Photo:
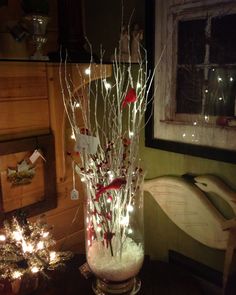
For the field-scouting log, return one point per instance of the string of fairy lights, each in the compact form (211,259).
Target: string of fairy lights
(26,247)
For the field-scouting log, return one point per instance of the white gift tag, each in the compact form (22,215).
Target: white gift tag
(87,143)
(74,194)
(36,154)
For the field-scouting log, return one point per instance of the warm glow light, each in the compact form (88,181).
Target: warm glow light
(27,247)
(231,79)
(195,123)
(131,133)
(34,269)
(77,105)
(40,245)
(2,238)
(184,134)
(82,179)
(45,234)
(130,208)
(16,274)
(87,71)
(139,85)
(124,220)
(72,136)
(220,98)
(130,231)
(106,84)
(219,79)
(52,255)
(206,90)
(17,235)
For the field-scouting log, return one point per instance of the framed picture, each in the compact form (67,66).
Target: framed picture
(191,48)
(28,177)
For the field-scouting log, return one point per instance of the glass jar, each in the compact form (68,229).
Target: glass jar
(114,237)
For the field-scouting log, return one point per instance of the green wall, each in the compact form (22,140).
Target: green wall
(161,234)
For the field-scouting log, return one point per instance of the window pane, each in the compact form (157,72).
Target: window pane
(189,90)
(191,41)
(221,92)
(223,41)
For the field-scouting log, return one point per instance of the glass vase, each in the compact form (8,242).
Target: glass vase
(114,238)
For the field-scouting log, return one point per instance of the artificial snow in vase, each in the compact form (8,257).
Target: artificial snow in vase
(114,235)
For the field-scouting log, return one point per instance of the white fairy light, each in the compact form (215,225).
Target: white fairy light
(34,269)
(130,231)
(52,256)
(2,238)
(16,274)
(45,234)
(106,84)
(219,79)
(40,245)
(193,135)
(83,179)
(194,123)
(131,133)
(184,134)
(220,98)
(72,136)
(130,208)
(87,71)
(139,85)
(124,220)
(77,105)
(17,235)
(206,90)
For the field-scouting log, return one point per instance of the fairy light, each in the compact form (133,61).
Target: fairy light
(130,208)
(206,90)
(83,179)
(219,79)
(106,84)
(139,85)
(184,134)
(28,242)
(2,238)
(40,245)
(194,123)
(34,269)
(77,105)
(131,133)
(52,255)
(220,98)
(124,220)
(17,235)
(231,79)
(72,136)
(16,274)
(45,234)
(130,231)
(87,71)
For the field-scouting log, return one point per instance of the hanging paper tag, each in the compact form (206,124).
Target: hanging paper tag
(36,154)
(74,195)
(87,143)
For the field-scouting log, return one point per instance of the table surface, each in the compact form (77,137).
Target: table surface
(156,277)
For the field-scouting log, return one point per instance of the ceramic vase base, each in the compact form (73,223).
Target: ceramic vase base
(129,287)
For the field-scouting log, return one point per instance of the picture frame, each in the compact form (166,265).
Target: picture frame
(46,197)
(163,134)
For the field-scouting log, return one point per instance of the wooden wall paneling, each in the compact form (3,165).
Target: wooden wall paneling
(23,98)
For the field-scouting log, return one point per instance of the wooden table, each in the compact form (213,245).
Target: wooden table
(158,278)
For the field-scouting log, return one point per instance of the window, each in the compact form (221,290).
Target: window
(195,80)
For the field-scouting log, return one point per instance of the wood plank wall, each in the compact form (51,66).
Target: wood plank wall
(31,104)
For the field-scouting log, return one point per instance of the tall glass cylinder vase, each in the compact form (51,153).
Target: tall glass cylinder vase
(114,235)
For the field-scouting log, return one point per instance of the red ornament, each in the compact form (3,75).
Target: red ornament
(114,185)
(130,97)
